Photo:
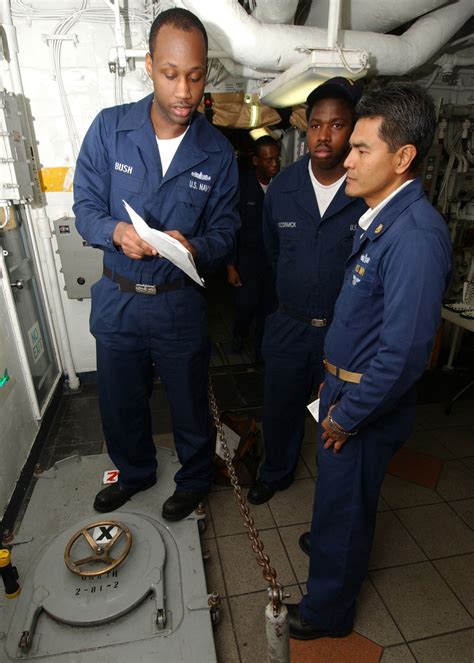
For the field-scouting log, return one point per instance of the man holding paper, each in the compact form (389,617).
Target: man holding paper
(178,174)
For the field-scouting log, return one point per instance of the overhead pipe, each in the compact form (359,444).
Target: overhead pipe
(334,20)
(275,11)
(119,38)
(453,60)
(372,15)
(277,47)
(40,213)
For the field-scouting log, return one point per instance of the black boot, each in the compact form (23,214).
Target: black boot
(260,493)
(303,630)
(304,542)
(181,504)
(110,498)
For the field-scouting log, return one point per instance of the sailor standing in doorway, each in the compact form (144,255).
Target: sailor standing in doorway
(249,272)
(179,173)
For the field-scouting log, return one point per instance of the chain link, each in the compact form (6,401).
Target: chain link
(275,591)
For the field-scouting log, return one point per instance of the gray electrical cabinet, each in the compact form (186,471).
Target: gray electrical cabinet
(15,162)
(81,263)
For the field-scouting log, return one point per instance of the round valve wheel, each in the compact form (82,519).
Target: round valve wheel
(101,539)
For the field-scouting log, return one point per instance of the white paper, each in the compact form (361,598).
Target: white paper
(168,247)
(314,408)
(232,439)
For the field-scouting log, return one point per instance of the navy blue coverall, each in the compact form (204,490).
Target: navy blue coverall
(138,333)
(256,297)
(385,319)
(308,254)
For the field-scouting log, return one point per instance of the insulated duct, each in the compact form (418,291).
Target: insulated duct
(373,15)
(275,11)
(277,47)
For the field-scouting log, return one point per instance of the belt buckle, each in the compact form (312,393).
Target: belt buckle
(316,322)
(144,289)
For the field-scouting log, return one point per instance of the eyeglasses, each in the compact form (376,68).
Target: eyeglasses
(272,159)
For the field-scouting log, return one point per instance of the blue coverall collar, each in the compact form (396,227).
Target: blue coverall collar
(138,123)
(306,198)
(394,208)
(389,214)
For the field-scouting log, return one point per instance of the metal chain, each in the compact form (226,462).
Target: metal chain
(275,590)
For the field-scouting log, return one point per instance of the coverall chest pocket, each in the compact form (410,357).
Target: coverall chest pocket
(288,236)
(188,208)
(125,182)
(289,245)
(355,301)
(194,194)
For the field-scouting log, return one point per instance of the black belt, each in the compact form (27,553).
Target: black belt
(144,288)
(314,322)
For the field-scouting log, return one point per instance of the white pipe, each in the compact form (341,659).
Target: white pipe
(277,47)
(448,60)
(119,39)
(241,71)
(41,280)
(140,54)
(41,216)
(275,11)
(44,231)
(372,15)
(334,21)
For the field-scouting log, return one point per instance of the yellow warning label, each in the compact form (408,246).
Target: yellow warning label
(56,179)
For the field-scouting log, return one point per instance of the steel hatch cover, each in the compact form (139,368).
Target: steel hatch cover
(86,601)
(65,489)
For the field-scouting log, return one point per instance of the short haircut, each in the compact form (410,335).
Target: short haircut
(264,141)
(182,19)
(408,117)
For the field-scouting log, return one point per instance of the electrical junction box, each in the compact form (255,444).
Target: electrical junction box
(81,263)
(15,175)
(120,587)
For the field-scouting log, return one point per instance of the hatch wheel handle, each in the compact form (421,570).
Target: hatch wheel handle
(101,553)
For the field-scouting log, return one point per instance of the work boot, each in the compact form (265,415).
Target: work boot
(110,498)
(260,493)
(300,629)
(304,542)
(181,504)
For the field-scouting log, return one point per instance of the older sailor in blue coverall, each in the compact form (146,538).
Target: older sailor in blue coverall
(179,173)
(309,225)
(249,272)
(377,347)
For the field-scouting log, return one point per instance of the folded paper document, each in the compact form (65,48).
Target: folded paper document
(168,247)
(314,409)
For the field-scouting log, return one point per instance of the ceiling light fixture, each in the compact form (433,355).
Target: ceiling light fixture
(294,85)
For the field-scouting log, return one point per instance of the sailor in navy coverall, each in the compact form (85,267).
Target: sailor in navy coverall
(249,271)
(163,329)
(308,251)
(378,345)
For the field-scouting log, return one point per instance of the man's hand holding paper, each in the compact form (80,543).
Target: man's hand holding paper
(129,240)
(171,245)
